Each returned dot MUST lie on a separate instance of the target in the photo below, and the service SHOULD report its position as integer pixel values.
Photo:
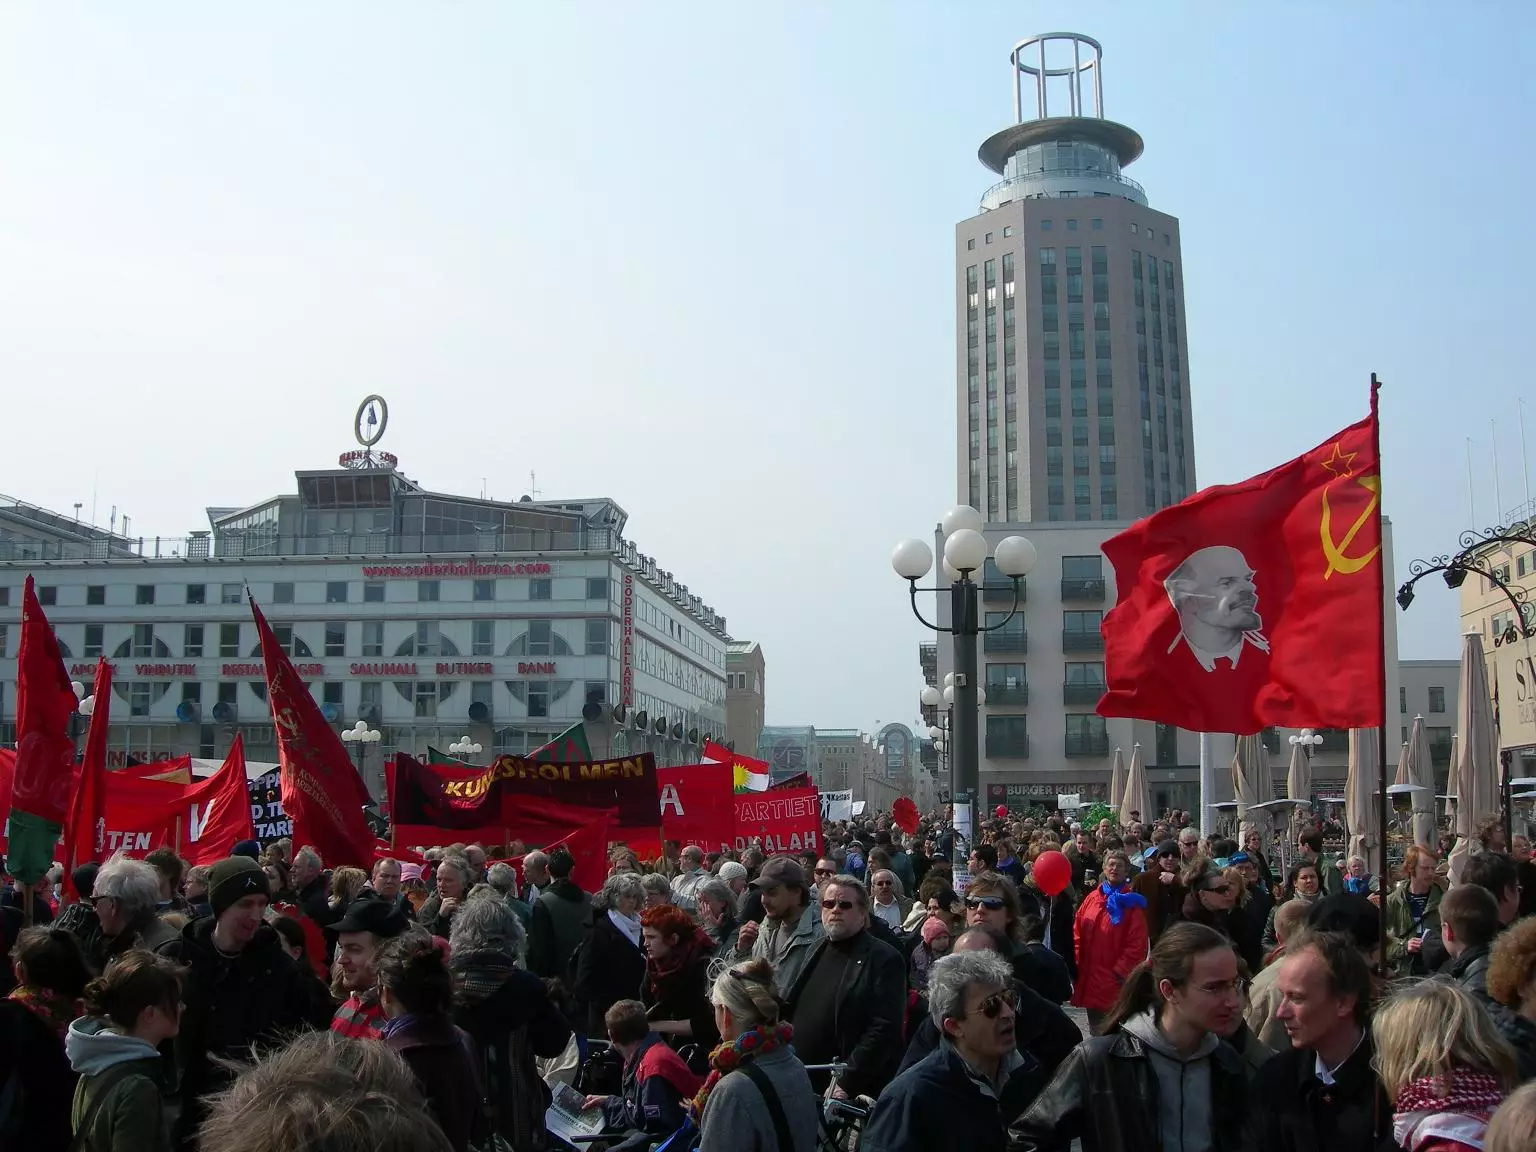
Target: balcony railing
(1006, 694)
(1091, 590)
(1005, 641)
(1075, 641)
(1007, 747)
(1079, 692)
(1087, 745)
(995, 592)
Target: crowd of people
(735, 1002)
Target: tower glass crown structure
(1073, 389)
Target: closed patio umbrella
(1362, 798)
(1117, 788)
(1137, 799)
(1251, 783)
(1421, 771)
(1476, 766)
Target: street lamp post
(965, 551)
(82, 713)
(360, 736)
(464, 748)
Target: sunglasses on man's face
(841, 905)
(990, 903)
(824, 872)
(992, 1006)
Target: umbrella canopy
(1475, 769)
(1298, 780)
(1421, 771)
(1117, 787)
(1362, 798)
(1251, 782)
(1136, 798)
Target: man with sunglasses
(966, 1091)
(849, 1000)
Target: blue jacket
(657, 1088)
(937, 1103)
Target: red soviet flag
(322, 792)
(1258, 603)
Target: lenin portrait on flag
(1216, 599)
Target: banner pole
(1382, 884)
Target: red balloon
(1052, 872)
(1002, 812)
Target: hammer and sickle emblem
(1337, 553)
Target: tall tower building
(1073, 397)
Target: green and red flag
(45, 754)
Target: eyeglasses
(992, 1006)
(1218, 889)
(1188, 843)
(990, 903)
(1222, 987)
(840, 905)
(824, 872)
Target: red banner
(784, 820)
(697, 805)
(700, 806)
(201, 822)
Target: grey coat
(802, 941)
(736, 1117)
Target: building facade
(1072, 398)
(745, 693)
(1486, 610)
(429, 616)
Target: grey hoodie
(1184, 1110)
(93, 1046)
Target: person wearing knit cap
(251, 848)
(734, 873)
(241, 989)
(937, 941)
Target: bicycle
(841, 1121)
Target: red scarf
(1473, 1093)
(49, 1006)
(728, 1057)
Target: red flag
(588, 846)
(698, 805)
(200, 822)
(45, 754)
(88, 806)
(322, 792)
(1258, 603)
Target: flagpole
(1381, 678)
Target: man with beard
(367, 924)
(964, 1094)
(849, 1001)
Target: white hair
(308, 853)
(134, 884)
(951, 977)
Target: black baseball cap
(371, 914)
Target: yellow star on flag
(1341, 463)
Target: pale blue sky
(699, 258)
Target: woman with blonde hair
(754, 1063)
(1443, 1065)
(1514, 1125)
(346, 884)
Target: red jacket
(1106, 952)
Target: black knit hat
(233, 879)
